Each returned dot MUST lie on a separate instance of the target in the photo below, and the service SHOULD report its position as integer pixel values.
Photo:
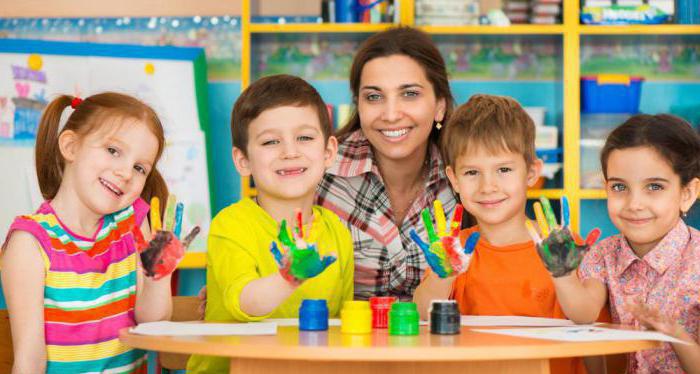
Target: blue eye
(373, 97)
(411, 93)
(618, 187)
(655, 187)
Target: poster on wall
(169, 79)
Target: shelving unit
(571, 32)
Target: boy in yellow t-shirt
(281, 137)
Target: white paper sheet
(170, 328)
(514, 321)
(583, 333)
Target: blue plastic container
(549, 156)
(345, 11)
(688, 12)
(313, 315)
(604, 97)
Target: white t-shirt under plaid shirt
(387, 262)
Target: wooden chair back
(6, 351)
(184, 309)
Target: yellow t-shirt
(238, 251)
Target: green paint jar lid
(403, 319)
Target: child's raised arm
(299, 262)
(158, 258)
(561, 251)
(153, 297)
(581, 301)
(23, 285)
(432, 287)
(444, 254)
(262, 296)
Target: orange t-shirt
(510, 280)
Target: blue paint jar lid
(313, 315)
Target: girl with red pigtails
(70, 270)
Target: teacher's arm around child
(650, 270)
(70, 271)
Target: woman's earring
(438, 125)
(684, 214)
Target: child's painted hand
(444, 253)
(300, 260)
(161, 255)
(561, 250)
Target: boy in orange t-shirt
(489, 149)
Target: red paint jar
(380, 306)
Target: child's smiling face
(108, 169)
(286, 153)
(493, 187)
(645, 196)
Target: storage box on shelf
(610, 93)
(597, 126)
(447, 12)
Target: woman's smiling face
(397, 106)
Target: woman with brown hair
(389, 167)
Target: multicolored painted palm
(160, 256)
(300, 259)
(560, 249)
(444, 252)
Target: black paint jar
(444, 317)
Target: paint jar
(356, 318)
(444, 317)
(380, 306)
(313, 315)
(403, 319)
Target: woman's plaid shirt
(387, 262)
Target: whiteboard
(34, 72)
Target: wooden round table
(292, 351)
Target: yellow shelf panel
(593, 194)
(548, 193)
(639, 29)
(193, 260)
(318, 27)
(496, 30)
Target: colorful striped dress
(90, 290)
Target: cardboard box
(487, 5)
(286, 8)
